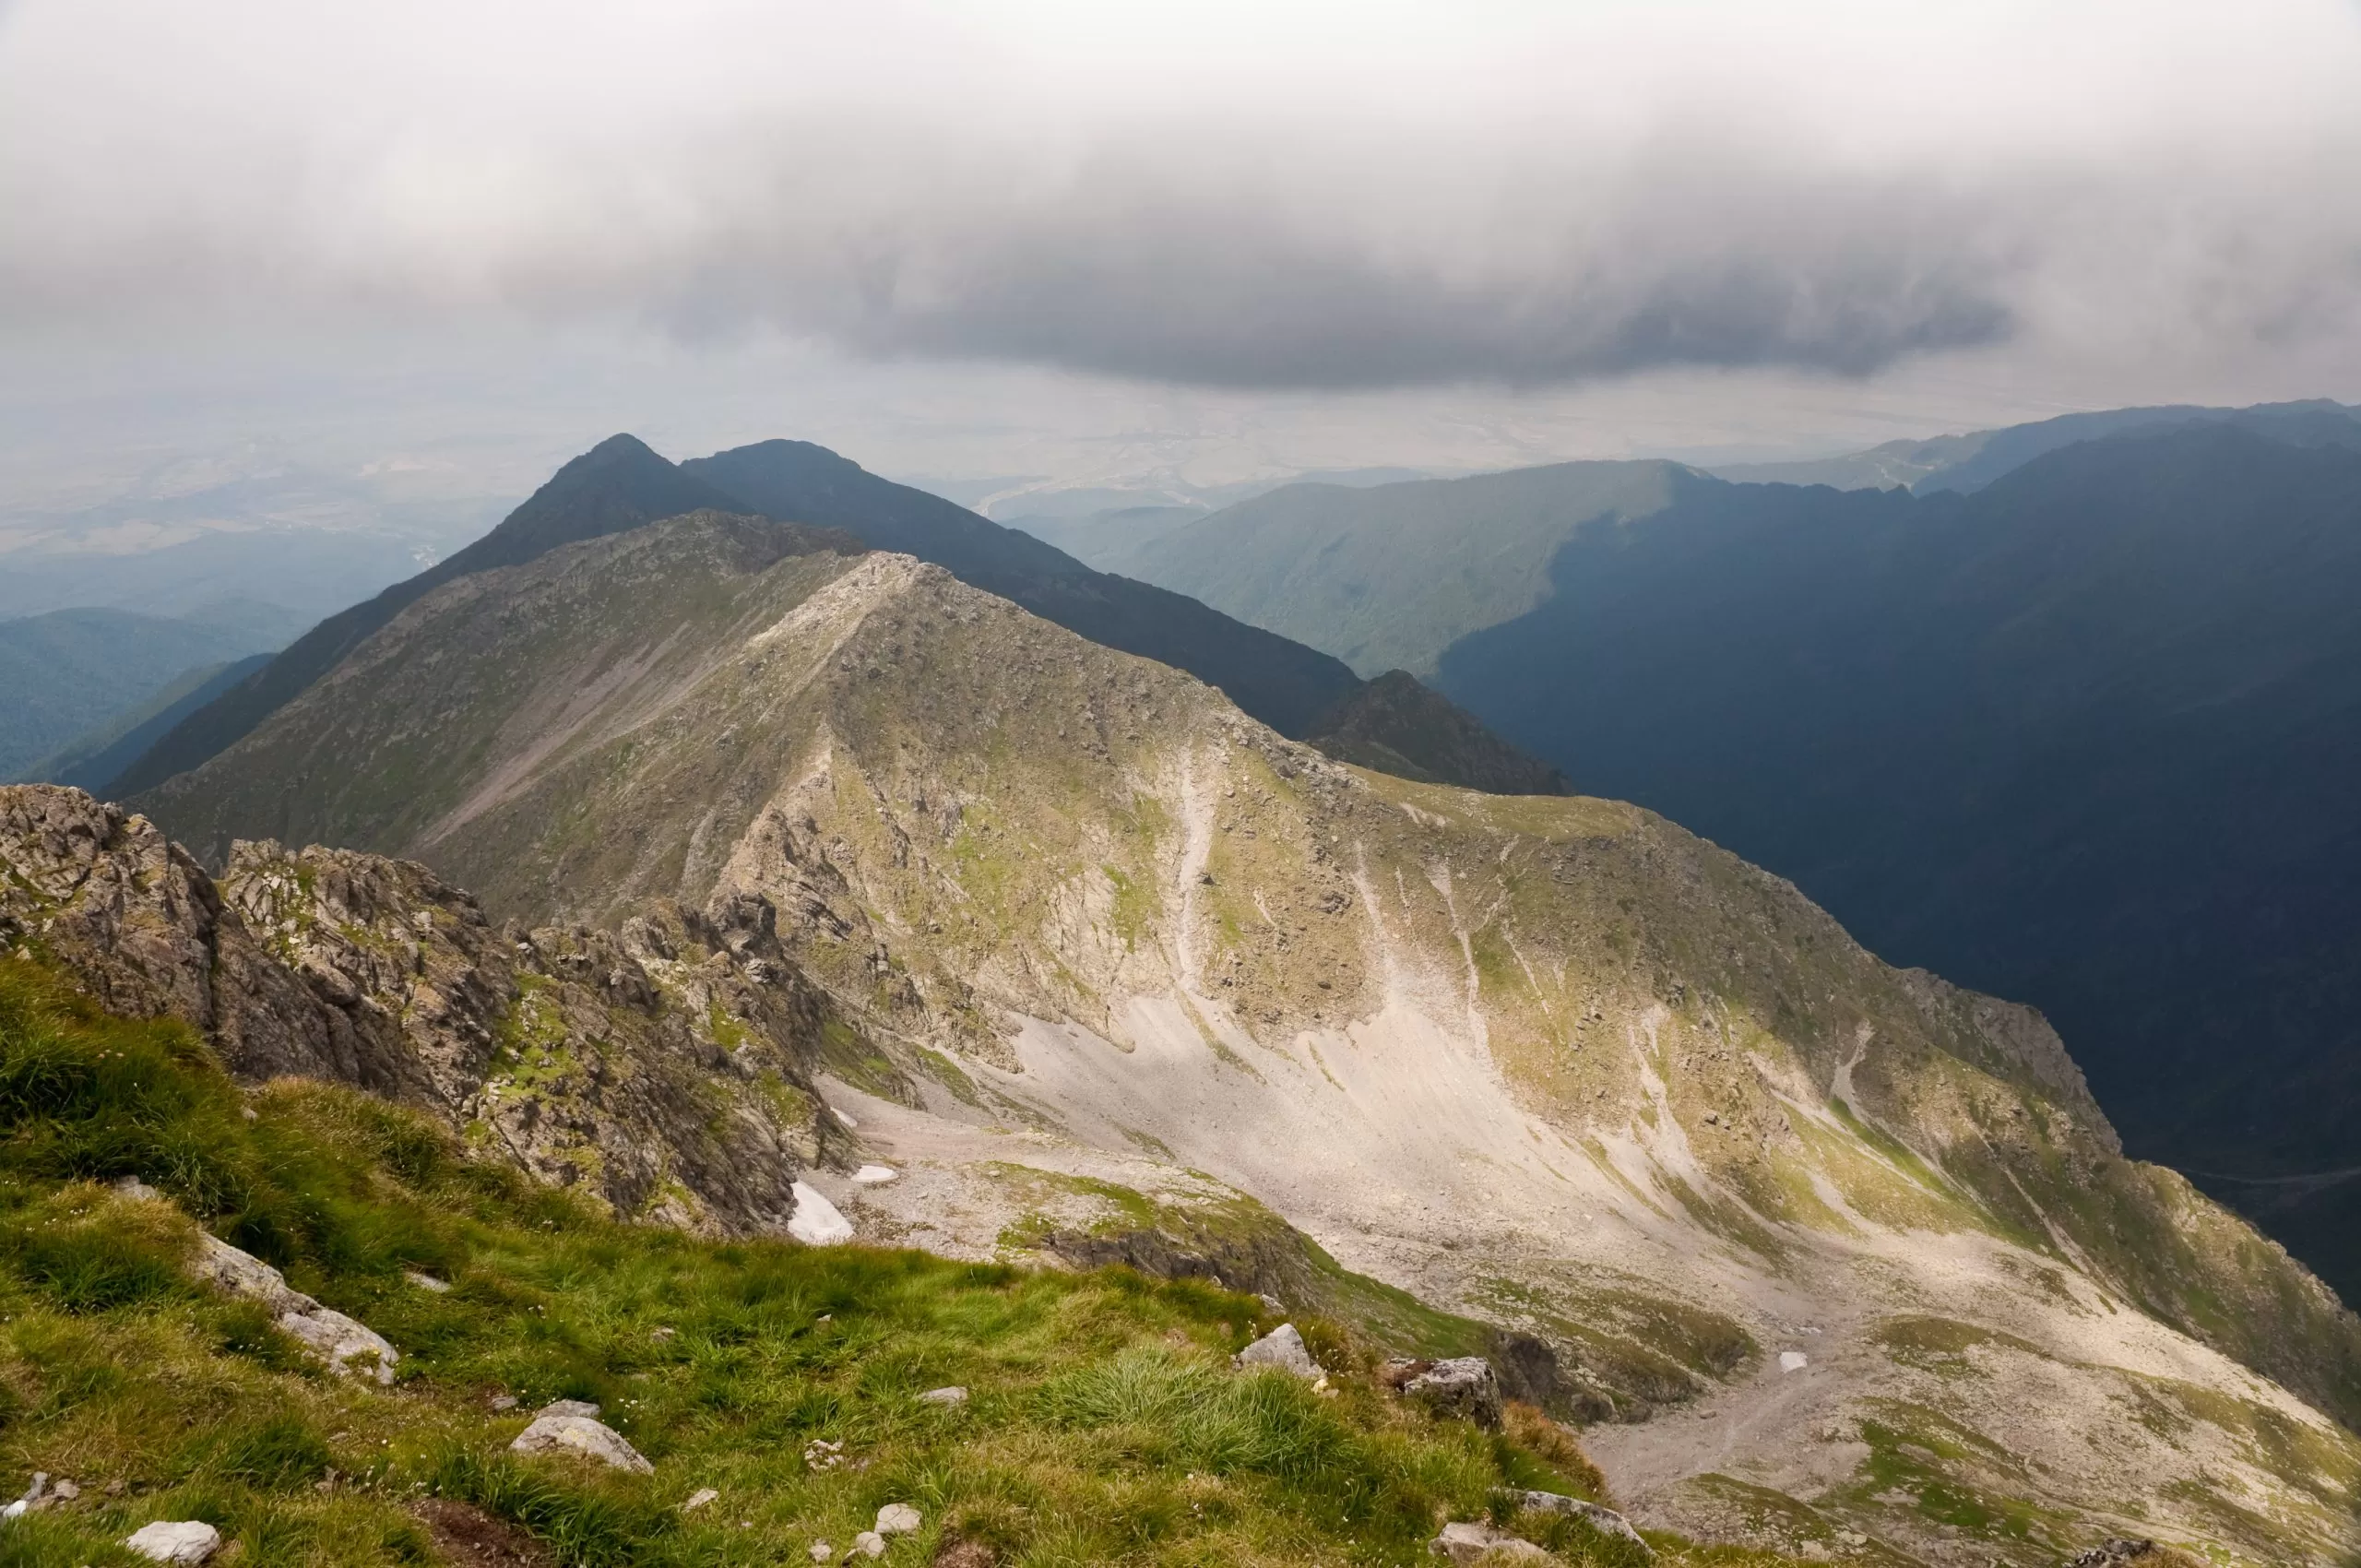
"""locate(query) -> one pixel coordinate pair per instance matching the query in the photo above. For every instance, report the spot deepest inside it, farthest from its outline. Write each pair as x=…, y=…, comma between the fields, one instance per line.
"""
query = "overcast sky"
x=982, y=238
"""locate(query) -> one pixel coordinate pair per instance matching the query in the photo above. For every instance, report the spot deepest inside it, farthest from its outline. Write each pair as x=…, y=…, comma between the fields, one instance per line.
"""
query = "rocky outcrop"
x=665, y=1068
x=1465, y=1387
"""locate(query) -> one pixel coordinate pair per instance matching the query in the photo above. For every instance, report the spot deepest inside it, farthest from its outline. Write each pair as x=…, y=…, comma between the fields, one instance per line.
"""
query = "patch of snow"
x=817, y=1222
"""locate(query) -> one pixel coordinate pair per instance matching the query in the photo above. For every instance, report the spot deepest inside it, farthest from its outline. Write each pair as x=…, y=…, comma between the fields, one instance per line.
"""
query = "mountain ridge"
x=1553, y=1064
x=621, y=484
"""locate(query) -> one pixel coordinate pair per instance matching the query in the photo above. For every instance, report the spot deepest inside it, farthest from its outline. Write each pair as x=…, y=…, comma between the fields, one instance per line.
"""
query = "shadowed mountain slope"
x=94, y=759
x=2083, y=736
x=2089, y=736
x=1284, y=684
x=1386, y=723
x=1552, y=1063
x=617, y=485
x=65, y=671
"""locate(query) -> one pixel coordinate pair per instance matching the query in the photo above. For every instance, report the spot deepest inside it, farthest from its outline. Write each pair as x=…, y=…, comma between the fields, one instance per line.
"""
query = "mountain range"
x=622, y=484
x=1976, y=459
x=1829, y=1254
x=2074, y=721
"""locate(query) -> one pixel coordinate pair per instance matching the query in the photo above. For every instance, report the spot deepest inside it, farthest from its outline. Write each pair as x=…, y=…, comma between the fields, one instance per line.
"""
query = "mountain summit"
x=622, y=484
x=618, y=484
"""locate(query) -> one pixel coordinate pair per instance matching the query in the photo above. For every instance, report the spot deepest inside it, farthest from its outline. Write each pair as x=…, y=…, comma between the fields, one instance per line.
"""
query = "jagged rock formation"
x=1551, y=1063
x=665, y=1068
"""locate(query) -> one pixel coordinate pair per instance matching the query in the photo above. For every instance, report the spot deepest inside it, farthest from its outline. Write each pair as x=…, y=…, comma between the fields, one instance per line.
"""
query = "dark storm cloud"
x=1133, y=268
x=1310, y=226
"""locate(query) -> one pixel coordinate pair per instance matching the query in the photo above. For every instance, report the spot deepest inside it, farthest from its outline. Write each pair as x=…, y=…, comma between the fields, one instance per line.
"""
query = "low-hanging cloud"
x=926, y=187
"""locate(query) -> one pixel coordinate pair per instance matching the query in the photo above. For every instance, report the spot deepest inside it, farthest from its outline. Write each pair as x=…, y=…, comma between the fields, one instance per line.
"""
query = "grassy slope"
x=1102, y=1426
x=1387, y=578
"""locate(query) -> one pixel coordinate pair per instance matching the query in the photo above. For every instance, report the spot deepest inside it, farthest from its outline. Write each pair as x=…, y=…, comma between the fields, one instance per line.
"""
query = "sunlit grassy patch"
x=1103, y=1422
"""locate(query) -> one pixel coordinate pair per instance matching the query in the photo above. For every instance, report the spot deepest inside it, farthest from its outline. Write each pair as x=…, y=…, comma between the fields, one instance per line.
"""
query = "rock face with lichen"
x=664, y=1068
x=1548, y=1062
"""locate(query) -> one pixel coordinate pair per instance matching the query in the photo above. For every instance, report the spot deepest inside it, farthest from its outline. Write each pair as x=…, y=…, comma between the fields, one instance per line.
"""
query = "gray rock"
x=1607, y=1521
x=869, y=1543
x=561, y=1427
x=352, y=968
x=2109, y=1553
x=347, y=1345
x=35, y=1497
x=952, y=1396
x=185, y=1540
x=1282, y=1347
x=1464, y=1543
x=898, y=1519
x=1463, y=1387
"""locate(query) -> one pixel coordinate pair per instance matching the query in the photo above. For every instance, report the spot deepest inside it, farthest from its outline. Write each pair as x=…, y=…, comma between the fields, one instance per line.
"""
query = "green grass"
x=1104, y=1424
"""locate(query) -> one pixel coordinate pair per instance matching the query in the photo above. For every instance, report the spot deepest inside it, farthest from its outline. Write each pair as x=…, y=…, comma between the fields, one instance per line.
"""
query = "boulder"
x=1463, y=1387
x=185, y=1540
x=1607, y=1521
x=1464, y=1543
x=1282, y=1347
x=346, y=1344
x=564, y=1427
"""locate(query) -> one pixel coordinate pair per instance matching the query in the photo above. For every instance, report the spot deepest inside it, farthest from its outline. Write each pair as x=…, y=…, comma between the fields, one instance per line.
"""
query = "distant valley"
x=75, y=683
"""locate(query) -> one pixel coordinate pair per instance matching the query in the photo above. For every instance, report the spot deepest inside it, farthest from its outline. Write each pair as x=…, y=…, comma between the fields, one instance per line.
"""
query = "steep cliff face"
x=666, y=1068
x=1552, y=1063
